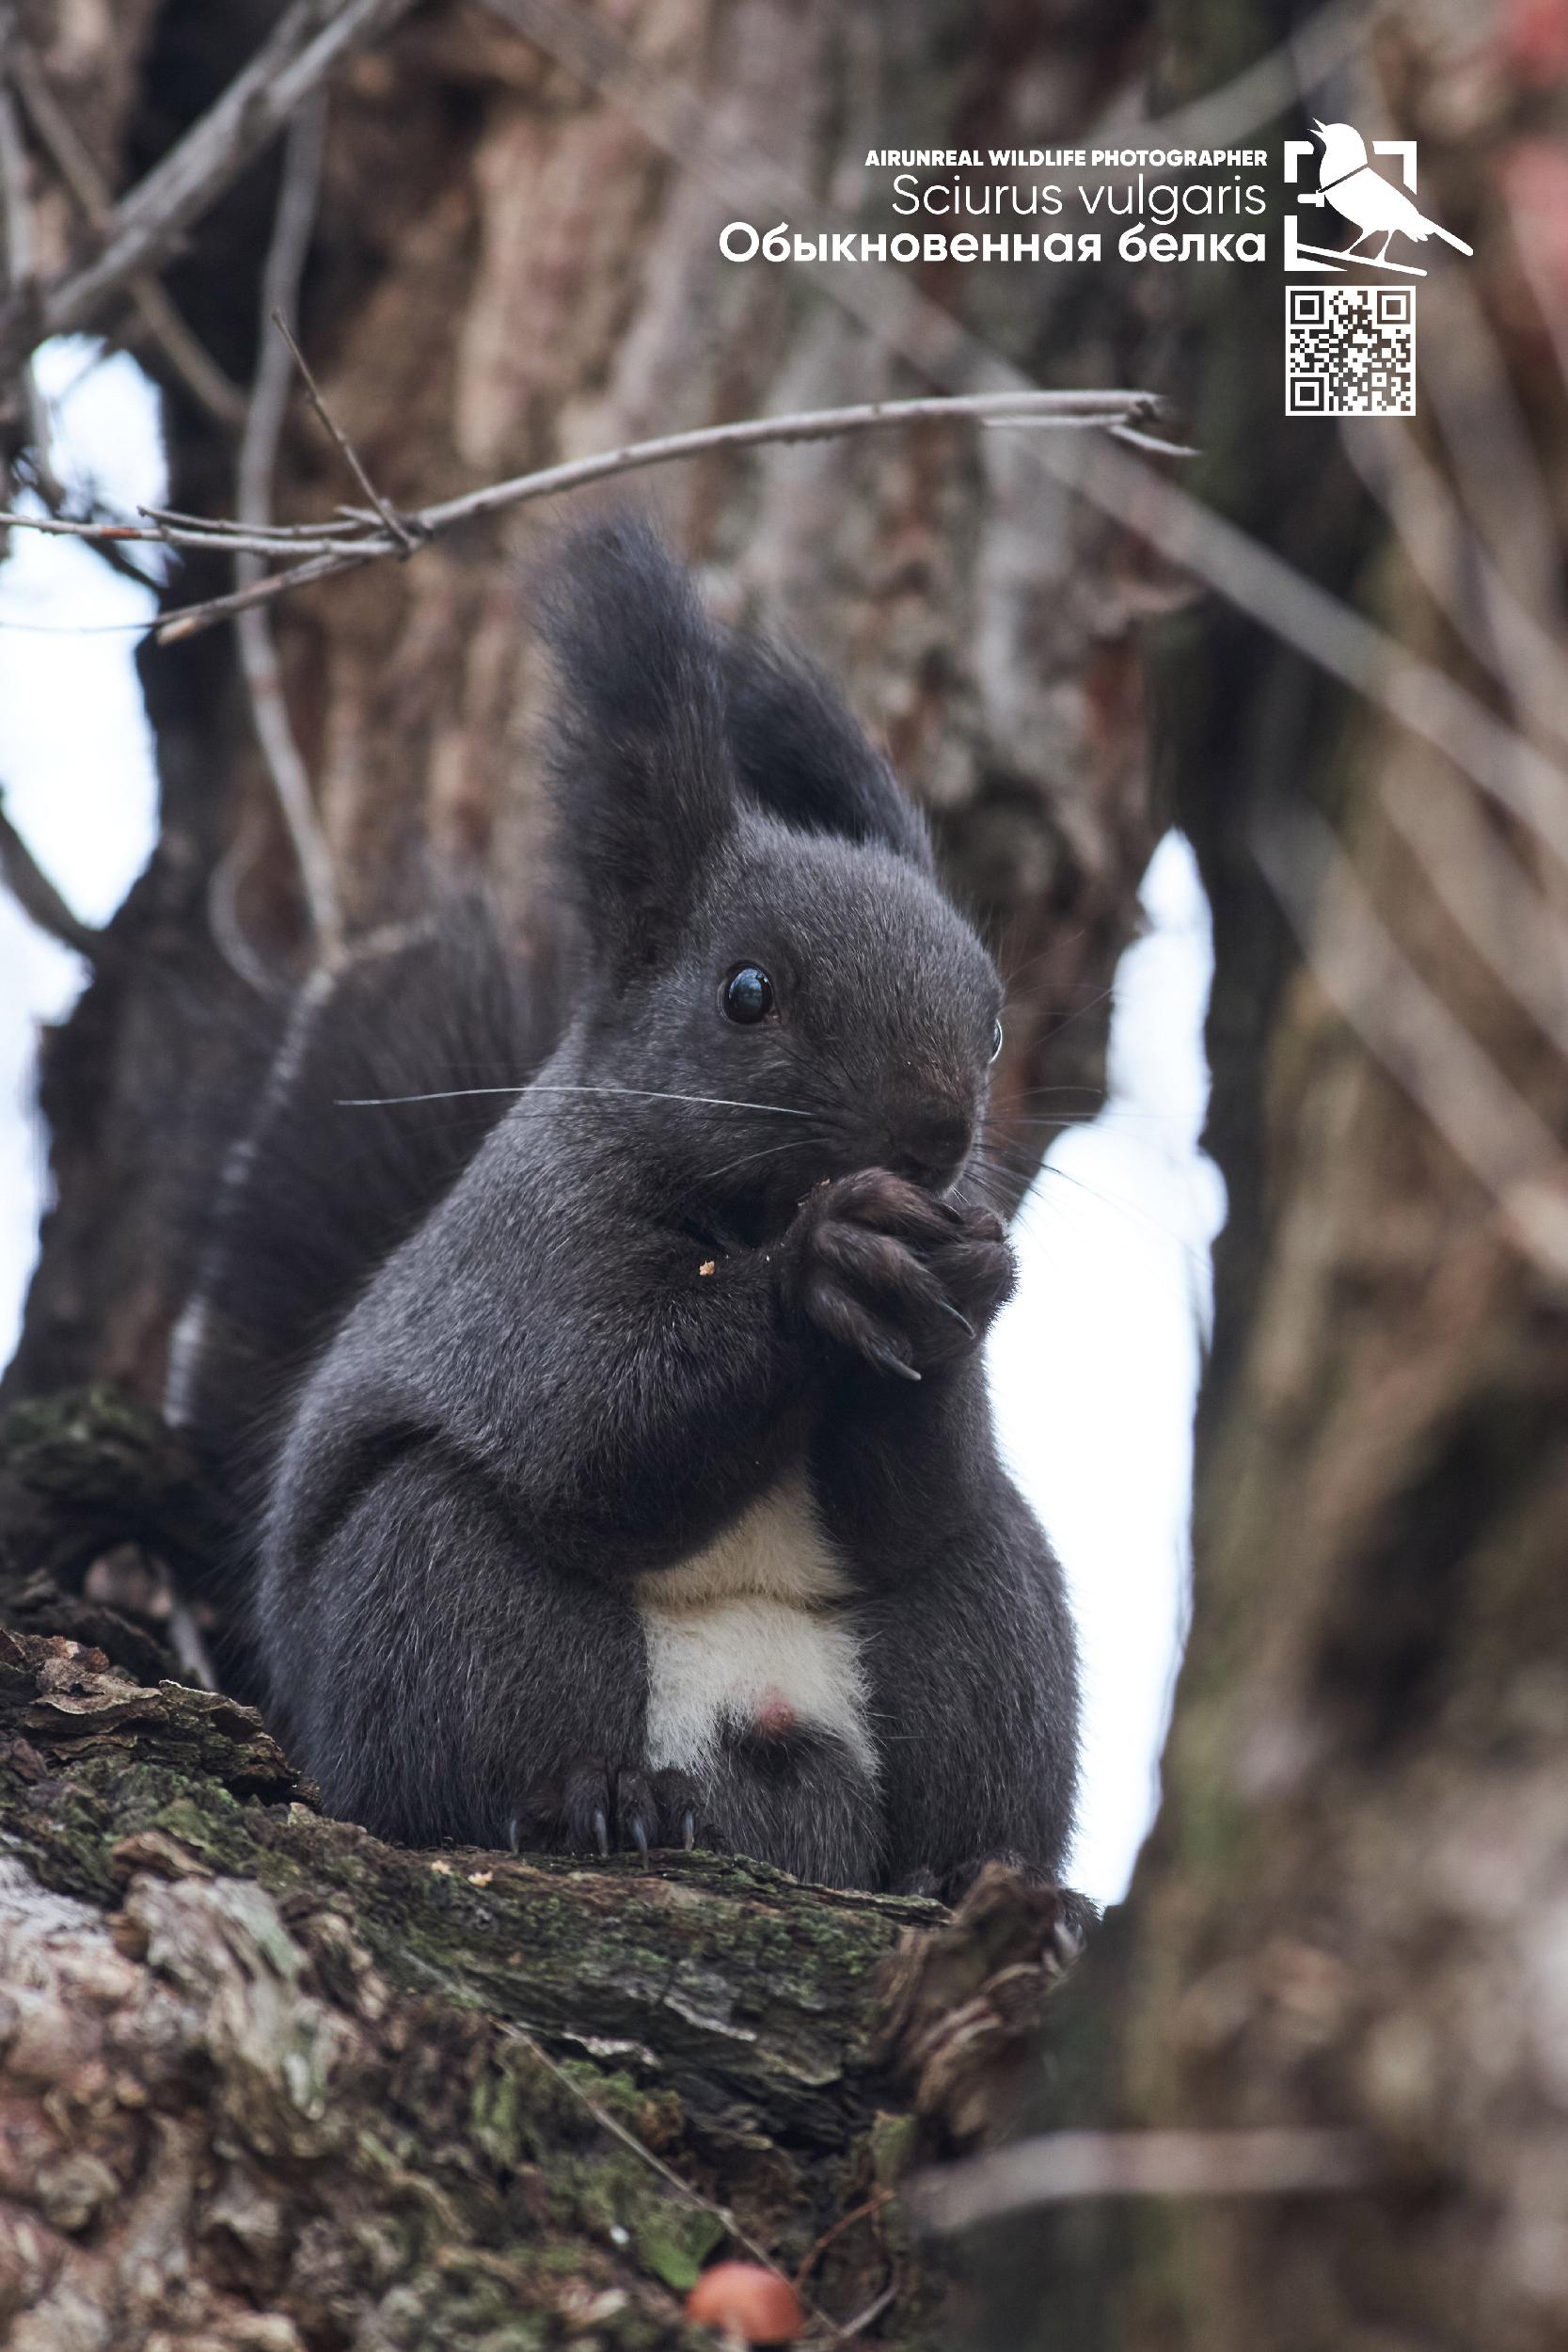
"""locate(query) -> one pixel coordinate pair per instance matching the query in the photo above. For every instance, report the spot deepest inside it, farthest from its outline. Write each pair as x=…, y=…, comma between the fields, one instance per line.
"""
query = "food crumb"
x=709, y=1265
x=480, y=1878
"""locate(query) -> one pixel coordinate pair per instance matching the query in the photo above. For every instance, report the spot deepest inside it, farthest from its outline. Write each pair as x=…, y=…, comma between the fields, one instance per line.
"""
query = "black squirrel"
x=603, y=1354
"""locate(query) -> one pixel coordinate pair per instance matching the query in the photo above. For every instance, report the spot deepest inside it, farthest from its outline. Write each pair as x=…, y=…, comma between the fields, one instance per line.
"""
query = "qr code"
x=1349, y=351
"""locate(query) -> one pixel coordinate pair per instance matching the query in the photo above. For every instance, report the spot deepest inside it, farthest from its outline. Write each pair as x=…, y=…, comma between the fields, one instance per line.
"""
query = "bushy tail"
x=333, y=1171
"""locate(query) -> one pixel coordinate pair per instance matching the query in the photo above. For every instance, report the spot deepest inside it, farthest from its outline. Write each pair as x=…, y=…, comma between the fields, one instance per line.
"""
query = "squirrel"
x=598, y=1352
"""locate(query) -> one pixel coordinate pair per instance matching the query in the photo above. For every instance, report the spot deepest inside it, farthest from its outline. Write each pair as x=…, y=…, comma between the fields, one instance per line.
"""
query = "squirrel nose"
x=930, y=1142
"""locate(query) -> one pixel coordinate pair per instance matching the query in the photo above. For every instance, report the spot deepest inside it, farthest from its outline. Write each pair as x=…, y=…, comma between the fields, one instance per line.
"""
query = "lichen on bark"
x=268, y=2083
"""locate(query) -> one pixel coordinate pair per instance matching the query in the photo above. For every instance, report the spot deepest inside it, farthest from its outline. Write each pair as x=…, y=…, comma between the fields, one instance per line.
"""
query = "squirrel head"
x=764, y=929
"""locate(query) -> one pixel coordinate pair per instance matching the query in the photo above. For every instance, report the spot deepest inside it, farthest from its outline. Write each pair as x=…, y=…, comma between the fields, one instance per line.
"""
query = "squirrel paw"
x=904, y=1280
x=593, y=1808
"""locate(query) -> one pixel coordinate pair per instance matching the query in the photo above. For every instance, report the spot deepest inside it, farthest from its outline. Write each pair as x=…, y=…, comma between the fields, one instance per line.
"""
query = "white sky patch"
x=1094, y=1365
x=76, y=750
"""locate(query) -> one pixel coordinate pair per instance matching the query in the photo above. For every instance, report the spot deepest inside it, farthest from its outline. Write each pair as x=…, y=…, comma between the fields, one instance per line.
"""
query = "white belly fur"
x=741, y=1626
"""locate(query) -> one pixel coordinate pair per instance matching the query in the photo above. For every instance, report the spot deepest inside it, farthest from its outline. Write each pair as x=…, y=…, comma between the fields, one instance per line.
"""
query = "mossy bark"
x=267, y=2083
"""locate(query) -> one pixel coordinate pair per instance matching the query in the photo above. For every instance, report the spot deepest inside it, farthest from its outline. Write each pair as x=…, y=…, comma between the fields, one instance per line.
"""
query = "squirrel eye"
x=748, y=995
x=995, y=1038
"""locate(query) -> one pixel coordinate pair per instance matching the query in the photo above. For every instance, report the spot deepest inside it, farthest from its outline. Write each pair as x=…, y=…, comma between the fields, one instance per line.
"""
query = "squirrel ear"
x=801, y=755
x=643, y=772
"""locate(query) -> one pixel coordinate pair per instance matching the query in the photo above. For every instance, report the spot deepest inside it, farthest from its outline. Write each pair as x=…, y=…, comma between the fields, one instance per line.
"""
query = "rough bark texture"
x=267, y=2083
x=1353, y=1914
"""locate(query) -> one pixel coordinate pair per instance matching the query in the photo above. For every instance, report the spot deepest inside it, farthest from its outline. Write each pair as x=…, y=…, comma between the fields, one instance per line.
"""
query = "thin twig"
x=1063, y=2166
x=289, y=535
x=390, y=519
x=1457, y=1084
x=904, y=319
x=873, y=2205
x=187, y=354
x=190, y=619
x=1335, y=637
x=230, y=538
x=308, y=39
x=1073, y=411
x=36, y=895
x=335, y=547
x=873, y=2310
x=263, y=426
x=671, y=2178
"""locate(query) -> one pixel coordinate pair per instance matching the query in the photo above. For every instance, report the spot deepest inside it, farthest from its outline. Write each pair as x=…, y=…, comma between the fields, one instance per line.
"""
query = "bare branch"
x=388, y=516
x=269, y=400
x=1189, y=534
x=36, y=895
x=307, y=41
x=667, y=2173
x=189, y=357
x=1069, y=411
x=230, y=538
x=1482, y=1118
x=1333, y=635
x=1063, y=2166
x=191, y=619
x=331, y=548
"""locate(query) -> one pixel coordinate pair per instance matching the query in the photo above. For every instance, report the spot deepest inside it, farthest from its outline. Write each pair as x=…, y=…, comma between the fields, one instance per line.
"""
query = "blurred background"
x=1252, y=766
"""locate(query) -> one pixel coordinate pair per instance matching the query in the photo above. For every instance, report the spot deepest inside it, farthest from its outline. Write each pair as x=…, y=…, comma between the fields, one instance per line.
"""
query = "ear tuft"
x=801, y=755
x=642, y=770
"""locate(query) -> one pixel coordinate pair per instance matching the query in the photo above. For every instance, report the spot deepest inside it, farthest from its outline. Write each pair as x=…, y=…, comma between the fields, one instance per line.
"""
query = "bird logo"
x=1371, y=204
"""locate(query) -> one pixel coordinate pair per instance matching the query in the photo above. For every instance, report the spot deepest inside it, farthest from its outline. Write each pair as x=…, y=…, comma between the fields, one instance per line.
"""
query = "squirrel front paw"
x=901, y=1278
x=592, y=1808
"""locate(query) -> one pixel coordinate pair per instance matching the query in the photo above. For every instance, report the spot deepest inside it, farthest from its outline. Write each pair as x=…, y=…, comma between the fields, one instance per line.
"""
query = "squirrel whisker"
x=647, y=1094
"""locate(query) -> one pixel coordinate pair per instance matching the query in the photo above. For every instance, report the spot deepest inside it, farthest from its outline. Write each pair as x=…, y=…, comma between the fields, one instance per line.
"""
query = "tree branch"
x=36, y=895
x=316, y=552
x=308, y=39
x=1063, y=2166
x=263, y=426
x=326, y=556
x=387, y=515
x=56, y=135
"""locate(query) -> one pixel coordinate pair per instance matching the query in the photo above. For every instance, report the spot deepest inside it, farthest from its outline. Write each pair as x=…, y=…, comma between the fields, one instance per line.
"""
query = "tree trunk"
x=267, y=2083
x=1353, y=1913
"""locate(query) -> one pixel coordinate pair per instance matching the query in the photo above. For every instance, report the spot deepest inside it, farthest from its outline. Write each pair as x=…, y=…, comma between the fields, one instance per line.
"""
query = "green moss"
x=675, y=2243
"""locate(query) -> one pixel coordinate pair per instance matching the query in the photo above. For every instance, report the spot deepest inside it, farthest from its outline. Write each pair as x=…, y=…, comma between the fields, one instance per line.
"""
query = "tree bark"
x=267, y=2083
x=1352, y=1912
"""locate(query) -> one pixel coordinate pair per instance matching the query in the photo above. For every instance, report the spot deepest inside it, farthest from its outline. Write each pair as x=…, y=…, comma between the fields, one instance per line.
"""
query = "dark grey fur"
x=507, y=1387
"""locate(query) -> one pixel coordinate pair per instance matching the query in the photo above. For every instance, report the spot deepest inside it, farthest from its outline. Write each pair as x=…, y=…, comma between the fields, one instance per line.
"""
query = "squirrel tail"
x=393, y=1068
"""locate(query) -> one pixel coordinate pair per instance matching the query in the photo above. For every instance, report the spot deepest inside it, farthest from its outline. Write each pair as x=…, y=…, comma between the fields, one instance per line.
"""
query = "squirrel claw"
x=598, y=1809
